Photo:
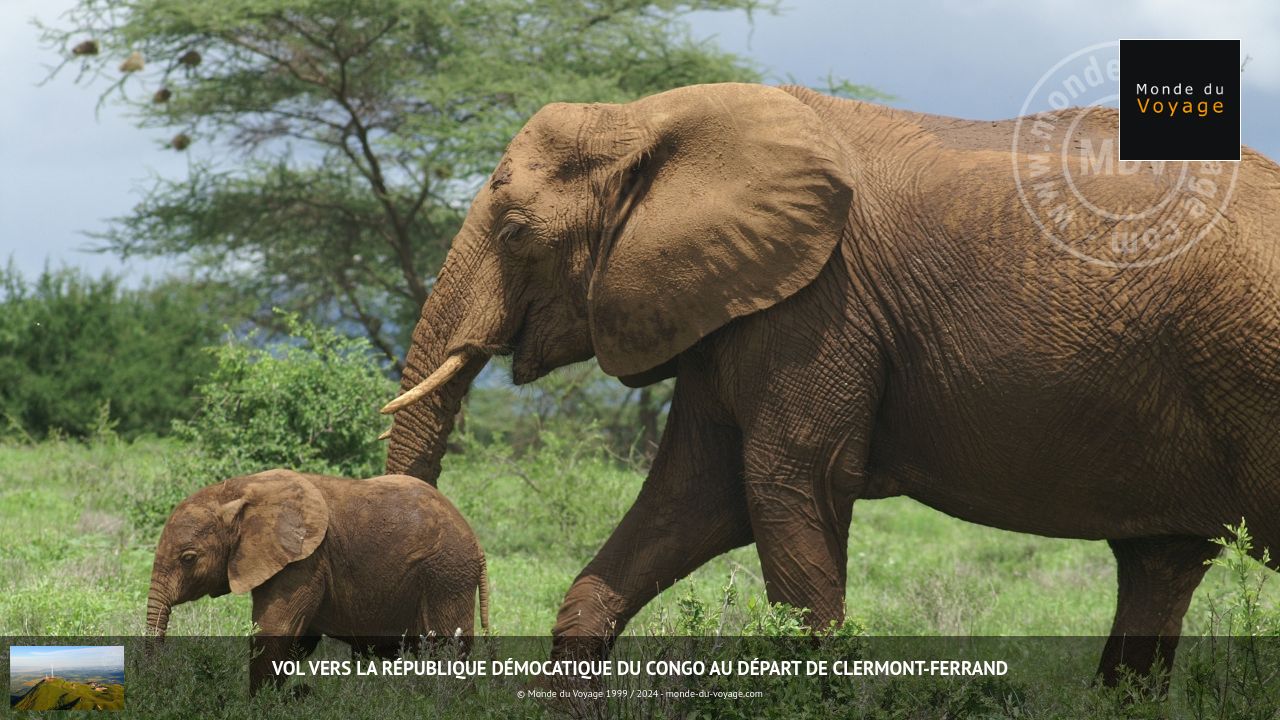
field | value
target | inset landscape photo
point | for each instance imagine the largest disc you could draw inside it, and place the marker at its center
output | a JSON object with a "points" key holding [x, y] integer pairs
{"points": [[66, 677]]}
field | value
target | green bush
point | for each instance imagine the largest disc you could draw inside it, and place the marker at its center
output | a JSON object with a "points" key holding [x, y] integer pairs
{"points": [[71, 345], [309, 403], [1232, 670]]}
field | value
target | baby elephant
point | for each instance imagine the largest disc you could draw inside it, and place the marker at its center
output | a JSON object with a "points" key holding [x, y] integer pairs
{"points": [[364, 561]]}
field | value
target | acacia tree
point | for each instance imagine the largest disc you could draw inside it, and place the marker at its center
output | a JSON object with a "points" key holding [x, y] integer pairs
{"points": [[336, 142]]}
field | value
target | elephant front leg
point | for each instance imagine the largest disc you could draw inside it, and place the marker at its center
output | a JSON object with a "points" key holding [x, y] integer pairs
{"points": [[802, 536], [283, 608], [803, 470], [690, 510]]}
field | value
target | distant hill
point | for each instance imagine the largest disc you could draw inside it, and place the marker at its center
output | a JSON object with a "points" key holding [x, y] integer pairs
{"points": [[59, 694]]}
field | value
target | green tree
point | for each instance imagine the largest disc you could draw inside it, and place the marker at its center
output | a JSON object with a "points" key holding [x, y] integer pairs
{"points": [[357, 129], [73, 347]]}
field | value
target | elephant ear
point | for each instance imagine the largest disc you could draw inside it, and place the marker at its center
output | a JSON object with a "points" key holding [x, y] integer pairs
{"points": [[733, 200], [276, 517]]}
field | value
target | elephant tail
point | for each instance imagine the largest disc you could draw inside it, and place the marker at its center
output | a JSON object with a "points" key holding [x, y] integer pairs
{"points": [[483, 592]]}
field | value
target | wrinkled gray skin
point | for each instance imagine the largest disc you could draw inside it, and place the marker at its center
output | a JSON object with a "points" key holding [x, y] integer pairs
{"points": [[365, 561], [855, 304]]}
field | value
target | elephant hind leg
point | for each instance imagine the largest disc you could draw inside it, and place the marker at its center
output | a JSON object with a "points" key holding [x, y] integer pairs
{"points": [[1156, 578]]}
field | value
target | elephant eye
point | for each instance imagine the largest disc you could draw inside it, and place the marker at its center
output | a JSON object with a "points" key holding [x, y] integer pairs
{"points": [[188, 557], [509, 233]]}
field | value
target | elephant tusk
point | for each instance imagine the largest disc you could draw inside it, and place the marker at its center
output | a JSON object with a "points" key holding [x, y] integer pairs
{"points": [[386, 433], [442, 375]]}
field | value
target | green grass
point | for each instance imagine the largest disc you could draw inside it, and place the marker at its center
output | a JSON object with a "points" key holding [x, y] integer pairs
{"points": [[73, 561], [78, 526]]}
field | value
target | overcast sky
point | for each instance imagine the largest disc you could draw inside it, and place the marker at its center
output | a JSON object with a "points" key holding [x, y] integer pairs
{"points": [[27, 658], [65, 172]]}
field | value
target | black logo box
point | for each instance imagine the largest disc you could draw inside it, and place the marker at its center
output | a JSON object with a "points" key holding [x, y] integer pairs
{"points": [[1157, 73]]}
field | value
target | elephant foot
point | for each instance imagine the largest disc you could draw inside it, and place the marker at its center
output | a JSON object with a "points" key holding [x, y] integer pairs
{"points": [[590, 618], [581, 647]]}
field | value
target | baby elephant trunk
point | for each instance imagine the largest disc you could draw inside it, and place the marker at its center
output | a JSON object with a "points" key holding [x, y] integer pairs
{"points": [[157, 613]]}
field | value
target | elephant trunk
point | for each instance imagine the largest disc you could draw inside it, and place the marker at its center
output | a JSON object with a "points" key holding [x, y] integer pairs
{"points": [[158, 608], [451, 344]]}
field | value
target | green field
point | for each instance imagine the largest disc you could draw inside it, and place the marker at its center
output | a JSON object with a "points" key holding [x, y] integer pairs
{"points": [[60, 694], [77, 532], [72, 560]]}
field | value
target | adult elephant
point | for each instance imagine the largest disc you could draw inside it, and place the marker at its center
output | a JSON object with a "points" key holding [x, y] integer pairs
{"points": [[855, 304]]}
